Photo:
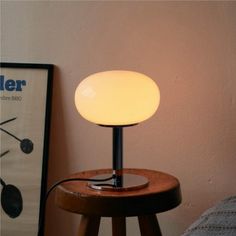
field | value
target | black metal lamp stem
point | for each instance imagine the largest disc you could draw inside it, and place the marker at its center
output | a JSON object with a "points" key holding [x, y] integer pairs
{"points": [[118, 155]]}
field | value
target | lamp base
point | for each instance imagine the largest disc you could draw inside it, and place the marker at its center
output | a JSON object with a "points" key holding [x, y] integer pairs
{"points": [[129, 182]]}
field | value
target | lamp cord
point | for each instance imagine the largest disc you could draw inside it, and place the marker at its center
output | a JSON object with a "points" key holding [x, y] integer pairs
{"points": [[40, 231], [75, 179]]}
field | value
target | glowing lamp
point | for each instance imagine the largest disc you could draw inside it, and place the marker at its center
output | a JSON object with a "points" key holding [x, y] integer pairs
{"points": [[118, 99]]}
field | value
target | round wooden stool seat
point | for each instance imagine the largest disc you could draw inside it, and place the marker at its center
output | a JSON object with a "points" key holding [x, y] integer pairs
{"points": [[161, 194]]}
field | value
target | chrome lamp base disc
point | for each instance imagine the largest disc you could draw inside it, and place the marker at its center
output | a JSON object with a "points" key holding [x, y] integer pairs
{"points": [[129, 182]]}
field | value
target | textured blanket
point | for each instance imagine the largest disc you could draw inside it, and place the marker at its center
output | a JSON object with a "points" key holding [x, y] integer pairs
{"points": [[219, 220]]}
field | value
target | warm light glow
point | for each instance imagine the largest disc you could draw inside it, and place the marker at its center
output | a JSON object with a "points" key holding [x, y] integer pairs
{"points": [[117, 98]]}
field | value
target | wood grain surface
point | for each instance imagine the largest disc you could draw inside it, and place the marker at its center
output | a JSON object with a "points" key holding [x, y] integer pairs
{"points": [[162, 194]]}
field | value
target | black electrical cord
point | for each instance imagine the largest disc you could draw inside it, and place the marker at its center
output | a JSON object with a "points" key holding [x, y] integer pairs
{"points": [[76, 179], [40, 231]]}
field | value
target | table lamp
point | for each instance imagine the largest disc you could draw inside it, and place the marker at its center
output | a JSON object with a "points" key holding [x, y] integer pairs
{"points": [[117, 99]]}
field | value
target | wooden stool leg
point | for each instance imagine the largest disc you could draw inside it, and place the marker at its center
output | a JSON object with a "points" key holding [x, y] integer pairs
{"points": [[118, 226], [89, 225], [149, 225]]}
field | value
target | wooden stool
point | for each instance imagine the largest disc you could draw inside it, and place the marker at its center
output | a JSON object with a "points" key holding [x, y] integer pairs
{"points": [[162, 194]]}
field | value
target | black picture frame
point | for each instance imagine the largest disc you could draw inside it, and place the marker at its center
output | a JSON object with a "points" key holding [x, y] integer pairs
{"points": [[26, 89]]}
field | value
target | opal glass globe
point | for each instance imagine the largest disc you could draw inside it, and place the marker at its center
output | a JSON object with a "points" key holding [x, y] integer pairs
{"points": [[117, 98]]}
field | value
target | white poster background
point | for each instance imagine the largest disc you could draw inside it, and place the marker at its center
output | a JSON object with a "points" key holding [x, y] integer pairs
{"points": [[17, 168]]}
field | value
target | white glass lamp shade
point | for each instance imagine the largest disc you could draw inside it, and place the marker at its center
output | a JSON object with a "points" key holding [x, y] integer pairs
{"points": [[117, 98]]}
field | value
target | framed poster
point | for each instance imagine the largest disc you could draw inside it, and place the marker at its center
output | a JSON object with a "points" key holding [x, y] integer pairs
{"points": [[25, 98]]}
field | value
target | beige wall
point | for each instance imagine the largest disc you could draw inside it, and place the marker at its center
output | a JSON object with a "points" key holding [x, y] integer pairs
{"points": [[188, 48]]}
